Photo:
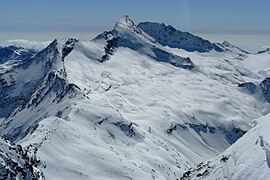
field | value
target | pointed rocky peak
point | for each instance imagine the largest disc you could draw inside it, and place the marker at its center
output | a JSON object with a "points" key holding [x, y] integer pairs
{"points": [[127, 34], [126, 29], [125, 23], [228, 46], [54, 47], [58, 47]]}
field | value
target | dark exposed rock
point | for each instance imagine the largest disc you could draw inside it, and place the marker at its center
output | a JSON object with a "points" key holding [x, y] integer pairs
{"points": [[231, 134], [16, 163], [267, 50], [68, 47], [169, 36], [265, 87], [111, 40], [224, 159], [126, 128]]}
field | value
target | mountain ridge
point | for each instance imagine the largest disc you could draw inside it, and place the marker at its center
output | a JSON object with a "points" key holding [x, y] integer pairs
{"points": [[168, 35]]}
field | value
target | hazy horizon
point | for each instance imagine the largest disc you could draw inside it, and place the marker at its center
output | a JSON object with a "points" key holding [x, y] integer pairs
{"points": [[244, 23], [249, 42]]}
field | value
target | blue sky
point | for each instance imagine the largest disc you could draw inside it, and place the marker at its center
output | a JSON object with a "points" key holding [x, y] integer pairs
{"points": [[92, 16]]}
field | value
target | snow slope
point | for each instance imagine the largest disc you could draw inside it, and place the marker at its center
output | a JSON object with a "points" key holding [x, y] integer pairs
{"points": [[15, 53], [122, 106], [259, 63], [248, 158]]}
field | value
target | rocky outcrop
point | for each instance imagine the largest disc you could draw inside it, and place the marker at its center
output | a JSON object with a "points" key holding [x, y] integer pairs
{"points": [[17, 163], [265, 87]]}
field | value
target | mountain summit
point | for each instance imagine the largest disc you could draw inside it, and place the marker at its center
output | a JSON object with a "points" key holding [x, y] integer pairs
{"points": [[127, 34], [126, 23]]}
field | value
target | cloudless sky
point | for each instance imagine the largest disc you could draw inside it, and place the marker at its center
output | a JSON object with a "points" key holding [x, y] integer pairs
{"points": [[92, 16]]}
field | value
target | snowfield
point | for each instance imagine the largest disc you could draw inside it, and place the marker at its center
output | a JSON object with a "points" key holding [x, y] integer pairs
{"points": [[126, 106], [248, 158]]}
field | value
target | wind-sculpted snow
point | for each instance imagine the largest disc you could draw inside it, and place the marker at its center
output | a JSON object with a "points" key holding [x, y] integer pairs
{"points": [[119, 106]]}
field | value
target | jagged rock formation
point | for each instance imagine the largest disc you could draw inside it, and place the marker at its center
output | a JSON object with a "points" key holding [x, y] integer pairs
{"points": [[17, 163], [169, 36]]}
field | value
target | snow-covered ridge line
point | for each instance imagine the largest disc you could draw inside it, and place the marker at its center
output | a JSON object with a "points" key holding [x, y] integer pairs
{"points": [[15, 53], [127, 34], [248, 158], [169, 36]]}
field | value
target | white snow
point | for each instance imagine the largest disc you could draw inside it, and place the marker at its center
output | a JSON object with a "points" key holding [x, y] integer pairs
{"points": [[133, 117], [248, 158], [258, 62]]}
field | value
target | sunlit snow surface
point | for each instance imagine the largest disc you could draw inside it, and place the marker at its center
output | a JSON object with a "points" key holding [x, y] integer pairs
{"points": [[131, 116], [248, 158]]}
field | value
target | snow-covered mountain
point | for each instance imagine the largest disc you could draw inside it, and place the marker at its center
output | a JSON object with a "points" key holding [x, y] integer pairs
{"points": [[169, 36], [248, 158], [127, 106], [15, 53], [127, 34]]}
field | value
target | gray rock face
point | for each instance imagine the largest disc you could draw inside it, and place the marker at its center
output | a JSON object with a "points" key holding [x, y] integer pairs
{"points": [[265, 87], [169, 36]]}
